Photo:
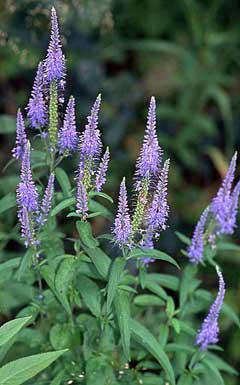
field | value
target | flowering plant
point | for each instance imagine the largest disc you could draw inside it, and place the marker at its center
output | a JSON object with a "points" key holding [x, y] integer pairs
{"points": [[96, 295]]}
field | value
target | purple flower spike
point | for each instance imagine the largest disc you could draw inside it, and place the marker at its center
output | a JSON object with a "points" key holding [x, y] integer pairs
{"points": [[222, 204], [21, 137], [47, 200], [158, 212], [90, 142], [102, 170], [150, 155], [208, 334], [195, 250], [26, 228], [122, 224], [27, 195], [55, 60], [37, 111], [68, 135], [82, 199]]}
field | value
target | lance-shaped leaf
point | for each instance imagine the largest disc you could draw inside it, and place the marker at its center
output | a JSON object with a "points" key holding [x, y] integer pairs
{"points": [[21, 370], [145, 338]]}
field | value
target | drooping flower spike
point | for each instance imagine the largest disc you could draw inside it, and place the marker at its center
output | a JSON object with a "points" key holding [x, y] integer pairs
{"points": [[55, 60], [208, 333], [36, 109], [102, 170], [122, 224], [68, 139], [21, 137], [222, 204], [158, 213], [148, 163], [90, 142], [47, 200], [196, 248]]}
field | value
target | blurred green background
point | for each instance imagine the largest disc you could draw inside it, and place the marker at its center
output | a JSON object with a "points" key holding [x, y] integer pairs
{"points": [[185, 52]]}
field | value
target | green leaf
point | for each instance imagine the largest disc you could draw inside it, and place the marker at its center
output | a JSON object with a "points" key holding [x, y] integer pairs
{"points": [[220, 364], [21, 370], [166, 280], [11, 264], [148, 300], [64, 182], [85, 232], [122, 307], [163, 334], [186, 283], [48, 274], [64, 276], [176, 325], [172, 347], [153, 253], [92, 194], [98, 207], [60, 336], [170, 309], [155, 288], [116, 271], [149, 342], [185, 379], [7, 202], [63, 205], [214, 372], [183, 238], [101, 261], [11, 328], [90, 294]]}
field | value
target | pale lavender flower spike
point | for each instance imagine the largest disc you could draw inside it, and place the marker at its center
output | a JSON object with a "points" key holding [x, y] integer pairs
{"points": [[222, 204], [82, 199], [27, 199], [21, 137], [158, 213], [36, 109], [47, 200], [196, 249], [27, 195], [90, 142], [102, 170], [122, 224], [150, 155], [68, 139], [208, 334], [55, 60], [26, 228]]}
